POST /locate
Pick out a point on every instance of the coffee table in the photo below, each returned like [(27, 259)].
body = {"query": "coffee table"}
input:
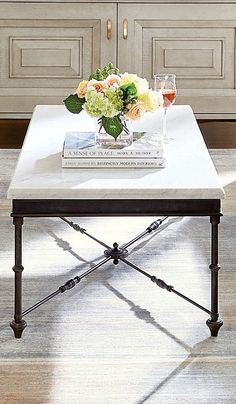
[(188, 186)]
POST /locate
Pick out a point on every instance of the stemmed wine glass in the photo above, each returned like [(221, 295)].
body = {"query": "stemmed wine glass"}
[(165, 83)]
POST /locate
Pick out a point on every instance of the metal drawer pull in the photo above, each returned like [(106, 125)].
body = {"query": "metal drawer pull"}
[(125, 28), (109, 29)]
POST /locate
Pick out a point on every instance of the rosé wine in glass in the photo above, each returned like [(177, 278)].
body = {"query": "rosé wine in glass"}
[(165, 83), (169, 97)]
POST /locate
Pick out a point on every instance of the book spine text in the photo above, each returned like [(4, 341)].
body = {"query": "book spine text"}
[(113, 163), (70, 153)]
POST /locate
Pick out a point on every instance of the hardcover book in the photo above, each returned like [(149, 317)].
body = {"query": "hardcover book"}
[(158, 162), (82, 145)]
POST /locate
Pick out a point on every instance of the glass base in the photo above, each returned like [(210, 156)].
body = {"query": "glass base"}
[(106, 141)]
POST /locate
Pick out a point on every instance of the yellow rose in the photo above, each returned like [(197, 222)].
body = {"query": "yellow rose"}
[(113, 79), (141, 84), (97, 85), (136, 111), (81, 90), (128, 78), (151, 100)]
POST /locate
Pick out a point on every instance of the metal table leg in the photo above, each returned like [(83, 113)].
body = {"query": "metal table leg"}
[(214, 323), (18, 324)]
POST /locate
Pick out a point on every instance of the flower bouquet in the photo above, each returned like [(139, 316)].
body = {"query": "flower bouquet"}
[(115, 100)]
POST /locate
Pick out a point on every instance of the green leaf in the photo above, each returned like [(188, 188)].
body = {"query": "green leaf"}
[(130, 89), (113, 126), (74, 104)]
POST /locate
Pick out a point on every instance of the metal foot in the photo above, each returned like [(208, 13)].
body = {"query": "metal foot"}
[(18, 328), (214, 326)]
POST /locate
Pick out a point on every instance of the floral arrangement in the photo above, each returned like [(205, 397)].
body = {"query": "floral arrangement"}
[(112, 97)]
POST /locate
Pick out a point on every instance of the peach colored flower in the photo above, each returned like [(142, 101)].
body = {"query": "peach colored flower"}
[(97, 85), (136, 111), (82, 88), (113, 80)]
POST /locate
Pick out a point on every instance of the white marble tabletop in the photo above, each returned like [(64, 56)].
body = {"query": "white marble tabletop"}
[(189, 172)]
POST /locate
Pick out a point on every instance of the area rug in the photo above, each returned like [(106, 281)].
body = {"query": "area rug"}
[(116, 337)]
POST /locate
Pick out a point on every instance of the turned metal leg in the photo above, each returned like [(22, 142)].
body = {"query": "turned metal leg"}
[(214, 323), (18, 324)]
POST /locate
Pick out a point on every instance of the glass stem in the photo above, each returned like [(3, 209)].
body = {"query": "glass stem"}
[(164, 123)]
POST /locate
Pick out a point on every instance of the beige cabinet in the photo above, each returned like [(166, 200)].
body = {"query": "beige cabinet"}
[(194, 41), (47, 46), (45, 49)]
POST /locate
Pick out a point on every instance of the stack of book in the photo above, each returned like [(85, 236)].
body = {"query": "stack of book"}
[(80, 151)]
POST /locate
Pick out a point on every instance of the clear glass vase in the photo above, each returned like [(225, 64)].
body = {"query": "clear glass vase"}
[(106, 141)]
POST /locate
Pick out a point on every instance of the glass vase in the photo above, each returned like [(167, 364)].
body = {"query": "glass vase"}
[(106, 141)]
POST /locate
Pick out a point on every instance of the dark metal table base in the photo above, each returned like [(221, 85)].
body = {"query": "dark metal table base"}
[(166, 207)]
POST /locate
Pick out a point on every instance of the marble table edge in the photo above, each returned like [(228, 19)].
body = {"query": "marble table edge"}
[(214, 193)]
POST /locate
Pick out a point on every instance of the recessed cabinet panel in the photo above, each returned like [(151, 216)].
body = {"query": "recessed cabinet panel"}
[(195, 55), (196, 42), (190, 58), (34, 58), (50, 57), (45, 50)]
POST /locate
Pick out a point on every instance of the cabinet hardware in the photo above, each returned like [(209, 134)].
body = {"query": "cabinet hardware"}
[(109, 29), (125, 28)]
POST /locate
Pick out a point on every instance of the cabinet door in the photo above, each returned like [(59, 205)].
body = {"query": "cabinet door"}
[(194, 41), (46, 49)]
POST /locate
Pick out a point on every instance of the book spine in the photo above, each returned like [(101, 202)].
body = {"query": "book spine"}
[(113, 163), (119, 153)]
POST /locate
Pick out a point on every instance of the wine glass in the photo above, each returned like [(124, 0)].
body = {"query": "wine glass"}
[(165, 83)]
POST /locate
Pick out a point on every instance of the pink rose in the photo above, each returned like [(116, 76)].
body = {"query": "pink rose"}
[(113, 80), (97, 85), (136, 111)]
